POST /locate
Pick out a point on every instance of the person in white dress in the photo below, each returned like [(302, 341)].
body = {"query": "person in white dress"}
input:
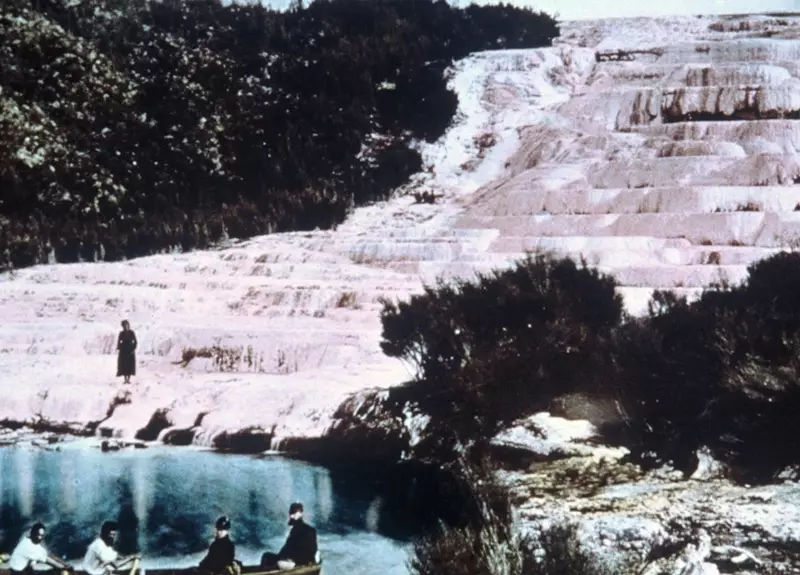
[(31, 551), (101, 558)]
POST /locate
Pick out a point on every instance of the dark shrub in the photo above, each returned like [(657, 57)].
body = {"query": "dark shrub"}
[(490, 351), (723, 371)]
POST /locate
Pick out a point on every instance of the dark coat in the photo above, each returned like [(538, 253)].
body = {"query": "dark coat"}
[(221, 553), (301, 545), (126, 346)]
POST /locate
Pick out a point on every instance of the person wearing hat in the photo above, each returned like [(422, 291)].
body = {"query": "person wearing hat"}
[(221, 552), (101, 558), (300, 547), (30, 551), (126, 348)]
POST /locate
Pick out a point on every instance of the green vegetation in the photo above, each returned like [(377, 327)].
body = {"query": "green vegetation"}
[(131, 127), (721, 372)]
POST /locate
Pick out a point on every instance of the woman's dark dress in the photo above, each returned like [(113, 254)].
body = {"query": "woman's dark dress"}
[(126, 360)]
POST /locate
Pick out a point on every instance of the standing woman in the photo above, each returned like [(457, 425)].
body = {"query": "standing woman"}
[(126, 346)]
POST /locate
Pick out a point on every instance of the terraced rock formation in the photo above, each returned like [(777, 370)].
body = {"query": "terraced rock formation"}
[(660, 150), (674, 163)]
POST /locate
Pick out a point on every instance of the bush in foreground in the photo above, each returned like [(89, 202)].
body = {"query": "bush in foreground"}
[(484, 543), (723, 371), (485, 539)]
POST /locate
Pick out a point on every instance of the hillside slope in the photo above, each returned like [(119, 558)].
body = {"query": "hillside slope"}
[(289, 322), (551, 148)]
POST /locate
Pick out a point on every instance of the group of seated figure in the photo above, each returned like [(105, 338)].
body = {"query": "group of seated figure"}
[(101, 558)]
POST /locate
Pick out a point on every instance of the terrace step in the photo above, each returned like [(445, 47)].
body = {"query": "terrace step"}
[(519, 201), (768, 230)]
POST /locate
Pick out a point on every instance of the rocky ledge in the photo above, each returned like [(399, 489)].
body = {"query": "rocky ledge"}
[(581, 503)]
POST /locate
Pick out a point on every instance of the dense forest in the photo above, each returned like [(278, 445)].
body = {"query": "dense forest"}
[(132, 127)]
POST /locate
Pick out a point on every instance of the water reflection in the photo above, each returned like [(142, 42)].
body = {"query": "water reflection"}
[(142, 495), (166, 504), (24, 475), (372, 519), (324, 496), (69, 491)]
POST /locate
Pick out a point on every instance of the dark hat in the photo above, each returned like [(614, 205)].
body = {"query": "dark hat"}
[(295, 507), (108, 527), (223, 523)]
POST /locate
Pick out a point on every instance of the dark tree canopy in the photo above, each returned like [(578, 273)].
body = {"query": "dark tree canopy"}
[(131, 127)]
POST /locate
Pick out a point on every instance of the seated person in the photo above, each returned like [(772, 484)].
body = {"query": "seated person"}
[(30, 551), (221, 552), (101, 558), (300, 547)]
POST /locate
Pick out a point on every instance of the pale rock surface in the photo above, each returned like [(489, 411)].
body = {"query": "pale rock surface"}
[(273, 334), (707, 466), (551, 437), (562, 149), (673, 166), (691, 561), (588, 506), (664, 166)]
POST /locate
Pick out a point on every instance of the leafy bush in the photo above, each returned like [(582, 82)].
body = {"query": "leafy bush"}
[(134, 127), (723, 371), (486, 541), (490, 351)]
